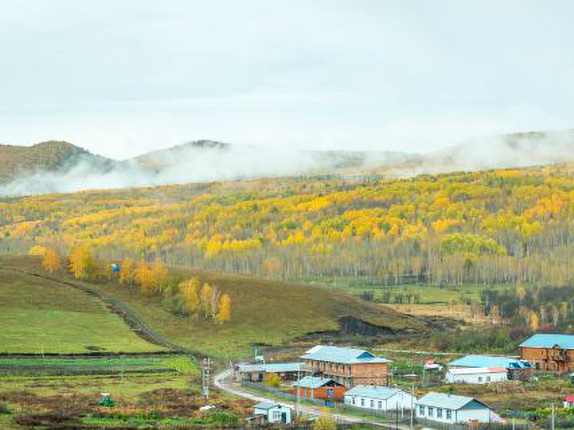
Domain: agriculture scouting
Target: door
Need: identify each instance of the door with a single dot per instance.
(284, 417)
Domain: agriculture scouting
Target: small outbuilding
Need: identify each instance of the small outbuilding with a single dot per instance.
(379, 398)
(271, 413)
(450, 409)
(517, 369)
(476, 375)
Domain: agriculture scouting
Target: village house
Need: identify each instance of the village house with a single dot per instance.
(517, 369)
(450, 409)
(270, 413)
(347, 366)
(380, 398)
(258, 372)
(476, 375)
(316, 387)
(549, 351)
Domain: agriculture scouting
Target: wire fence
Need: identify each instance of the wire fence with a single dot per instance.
(401, 415)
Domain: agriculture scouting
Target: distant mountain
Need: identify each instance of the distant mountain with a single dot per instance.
(51, 167)
(50, 156)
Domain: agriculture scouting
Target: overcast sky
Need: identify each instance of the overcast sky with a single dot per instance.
(121, 77)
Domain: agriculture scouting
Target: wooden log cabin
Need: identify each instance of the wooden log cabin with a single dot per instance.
(553, 352)
(346, 366)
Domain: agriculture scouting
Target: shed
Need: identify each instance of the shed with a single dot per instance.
(257, 372)
(380, 398)
(272, 413)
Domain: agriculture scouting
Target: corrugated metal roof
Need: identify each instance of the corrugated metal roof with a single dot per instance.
(372, 392)
(564, 341)
(335, 354)
(490, 361)
(265, 405)
(313, 382)
(275, 367)
(447, 401)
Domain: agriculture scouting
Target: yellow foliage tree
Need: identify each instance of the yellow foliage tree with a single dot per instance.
(224, 311)
(127, 271)
(159, 275)
(272, 380)
(206, 300)
(51, 260)
(534, 321)
(37, 250)
(325, 421)
(81, 262)
(190, 294)
(144, 278)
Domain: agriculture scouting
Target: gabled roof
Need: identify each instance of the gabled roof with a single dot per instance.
(335, 354)
(275, 367)
(265, 405)
(315, 382)
(490, 361)
(372, 392)
(563, 341)
(475, 370)
(447, 401)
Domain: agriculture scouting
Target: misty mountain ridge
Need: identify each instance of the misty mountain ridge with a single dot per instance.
(56, 167)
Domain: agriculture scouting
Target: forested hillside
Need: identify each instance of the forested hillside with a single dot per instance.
(497, 227)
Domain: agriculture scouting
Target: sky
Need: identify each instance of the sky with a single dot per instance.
(122, 77)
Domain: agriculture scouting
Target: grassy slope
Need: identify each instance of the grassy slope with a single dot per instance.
(42, 316)
(263, 312)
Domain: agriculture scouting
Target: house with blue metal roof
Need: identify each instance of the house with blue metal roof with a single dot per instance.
(379, 398)
(549, 351)
(516, 368)
(347, 366)
(317, 387)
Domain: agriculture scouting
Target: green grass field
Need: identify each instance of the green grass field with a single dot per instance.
(428, 294)
(40, 316)
(263, 311)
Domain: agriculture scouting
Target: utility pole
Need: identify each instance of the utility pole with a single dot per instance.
(298, 394)
(206, 377)
(413, 406)
(552, 422)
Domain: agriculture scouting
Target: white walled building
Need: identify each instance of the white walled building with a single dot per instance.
(449, 409)
(272, 413)
(380, 398)
(476, 375)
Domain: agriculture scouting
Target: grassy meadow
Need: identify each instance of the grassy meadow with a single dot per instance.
(41, 316)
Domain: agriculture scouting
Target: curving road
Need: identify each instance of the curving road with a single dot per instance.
(222, 381)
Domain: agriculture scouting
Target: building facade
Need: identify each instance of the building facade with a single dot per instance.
(451, 409)
(271, 413)
(347, 366)
(517, 369)
(316, 387)
(549, 351)
(258, 372)
(476, 375)
(379, 398)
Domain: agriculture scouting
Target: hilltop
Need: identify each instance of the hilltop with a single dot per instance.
(62, 167)
(64, 319)
(50, 156)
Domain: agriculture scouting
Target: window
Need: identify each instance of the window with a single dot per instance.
(276, 415)
(439, 412)
(448, 414)
(372, 403)
(421, 410)
(480, 379)
(362, 402)
(431, 412)
(380, 405)
(488, 379)
(329, 392)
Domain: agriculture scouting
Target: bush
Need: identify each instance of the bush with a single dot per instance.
(4, 410)
(223, 417)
